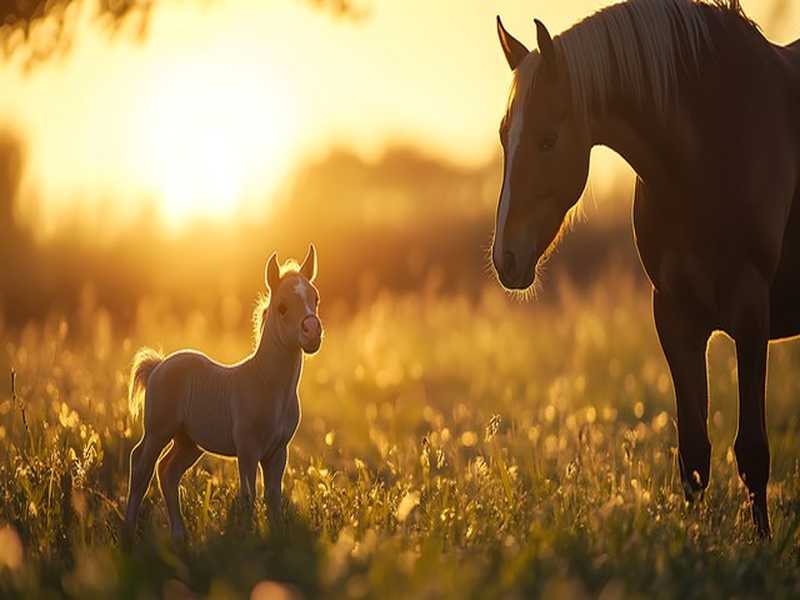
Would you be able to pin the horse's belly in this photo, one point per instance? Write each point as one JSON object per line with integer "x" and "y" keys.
{"x": 785, "y": 290}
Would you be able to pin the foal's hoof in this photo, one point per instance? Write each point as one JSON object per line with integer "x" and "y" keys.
{"x": 126, "y": 537}
{"x": 178, "y": 539}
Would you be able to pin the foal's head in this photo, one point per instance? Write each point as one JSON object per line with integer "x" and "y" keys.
{"x": 546, "y": 154}
{"x": 295, "y": 300}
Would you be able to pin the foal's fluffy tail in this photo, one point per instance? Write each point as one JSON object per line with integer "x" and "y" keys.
{"x": 145, "y": 360}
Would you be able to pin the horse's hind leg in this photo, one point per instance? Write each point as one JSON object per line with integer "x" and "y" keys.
{"x": 751, "y": 332}
{"x": 143, "y": 461}
{"x": 183, "y": 454}
{"x": 684, "y": 343}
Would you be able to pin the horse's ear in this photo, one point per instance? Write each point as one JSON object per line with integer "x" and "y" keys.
{"x": 514, "y": 50}
{"x": 272, "y": 274}
{"x": 548, "y": 50}
{"x": 309, "y": 268}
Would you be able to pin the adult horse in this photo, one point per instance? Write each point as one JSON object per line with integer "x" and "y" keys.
{"x": 707, "y": 112}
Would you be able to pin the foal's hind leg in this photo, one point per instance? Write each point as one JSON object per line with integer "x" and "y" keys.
{"x": 143, "y": 461}
{"x": 684, "y": 343}
{"x": 183, "y": 454}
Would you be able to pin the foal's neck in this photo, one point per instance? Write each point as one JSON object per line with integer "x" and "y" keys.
{"x": 274, "y": 361}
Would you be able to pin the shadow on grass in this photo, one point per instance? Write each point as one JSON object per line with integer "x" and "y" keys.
{"x": 227, "y": 564}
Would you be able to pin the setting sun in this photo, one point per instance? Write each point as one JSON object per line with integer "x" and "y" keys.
{"x": 212, "y": 131}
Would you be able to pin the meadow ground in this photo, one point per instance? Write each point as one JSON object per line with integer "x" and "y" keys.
{"x": 448, "y": 448}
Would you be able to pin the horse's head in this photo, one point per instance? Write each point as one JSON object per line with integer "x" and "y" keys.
{"x": 295, "y": 301}
{"x": 546, "y": 158}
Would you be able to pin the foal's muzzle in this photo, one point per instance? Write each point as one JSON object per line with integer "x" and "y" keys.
{"x": 310, "y": 333}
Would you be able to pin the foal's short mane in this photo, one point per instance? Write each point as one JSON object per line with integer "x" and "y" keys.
{"x": 262, "y": 301}
{"x": 639, "y": 44}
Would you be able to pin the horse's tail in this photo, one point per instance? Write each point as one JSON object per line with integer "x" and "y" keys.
{"x": 145, "y": 360}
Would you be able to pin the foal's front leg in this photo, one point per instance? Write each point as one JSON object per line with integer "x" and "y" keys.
{"x": 248, "y": 466}
{"x": 273, "y": 468}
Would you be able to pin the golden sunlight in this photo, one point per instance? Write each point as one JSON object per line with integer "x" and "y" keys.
{"x": 211, "y": 131}
{"x": 208, "y": 112}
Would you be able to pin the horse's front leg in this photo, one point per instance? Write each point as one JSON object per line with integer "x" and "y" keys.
{"x": 751, "y": 332}
{"x": 273, "y": 468}
{"x": 684, "y": 343}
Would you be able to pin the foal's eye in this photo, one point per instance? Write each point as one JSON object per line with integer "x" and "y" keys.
{"x": 282, "y": 308}
{"x": 548, "y": 142}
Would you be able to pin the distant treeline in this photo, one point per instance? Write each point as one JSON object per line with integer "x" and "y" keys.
{"x": 402, "y": 223}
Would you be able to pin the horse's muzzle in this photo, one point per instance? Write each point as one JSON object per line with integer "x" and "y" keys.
{"x": 310, "y": 334}
{"x": 513, "y": 273}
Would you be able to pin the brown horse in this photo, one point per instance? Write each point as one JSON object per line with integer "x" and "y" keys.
{"x": 707, "y": 112}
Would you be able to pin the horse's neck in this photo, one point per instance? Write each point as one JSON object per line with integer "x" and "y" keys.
{"x": 660, "y": 152}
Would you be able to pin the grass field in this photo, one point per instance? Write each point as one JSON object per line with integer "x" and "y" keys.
{"x": 447, "y": 449}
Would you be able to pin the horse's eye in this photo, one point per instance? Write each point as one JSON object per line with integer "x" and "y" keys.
{"x": 548, "y": 142}
{"x": 282, "y": 308}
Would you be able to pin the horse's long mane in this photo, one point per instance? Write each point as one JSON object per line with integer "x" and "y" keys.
{"x": 641, "y": 45}
{"x": 262, "y": 302}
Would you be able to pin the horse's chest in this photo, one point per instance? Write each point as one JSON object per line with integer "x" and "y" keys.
{"x": 678, "y": 253}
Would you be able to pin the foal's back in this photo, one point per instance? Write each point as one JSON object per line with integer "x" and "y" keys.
{"x": 191, "y": 393}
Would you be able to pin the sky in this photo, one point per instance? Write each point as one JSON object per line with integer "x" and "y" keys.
{"x": 223, "y": 97}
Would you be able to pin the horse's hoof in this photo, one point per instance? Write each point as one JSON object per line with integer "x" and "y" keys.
{"x": 693, "y": 492}
{"x": 761, "y": 520}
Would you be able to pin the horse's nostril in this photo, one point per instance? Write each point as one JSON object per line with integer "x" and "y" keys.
{"x": 509, "y": 262}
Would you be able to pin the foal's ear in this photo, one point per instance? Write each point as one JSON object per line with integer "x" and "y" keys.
{"x": 272, "y": 274}
{"x": 514, "y": 50}
{"x": 309, "y": 268}
{"x": 548, "y": 50}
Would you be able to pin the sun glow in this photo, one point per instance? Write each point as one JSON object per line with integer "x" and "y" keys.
{"x": 207, "y": 112}
{"x": 213, "y": 131}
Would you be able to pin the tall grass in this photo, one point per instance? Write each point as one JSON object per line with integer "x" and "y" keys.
{"x": 448, "y": 448}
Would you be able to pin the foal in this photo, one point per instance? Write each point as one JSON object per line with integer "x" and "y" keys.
{"x": 249, "y": 410}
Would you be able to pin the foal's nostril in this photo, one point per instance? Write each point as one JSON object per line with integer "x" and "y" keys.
{"x": 310, "y": 326}
{"x": 509, "y": 262}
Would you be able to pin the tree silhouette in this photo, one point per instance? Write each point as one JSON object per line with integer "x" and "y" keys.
{"x": 23, "y": 16}
{"x": 23, "y": 13}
